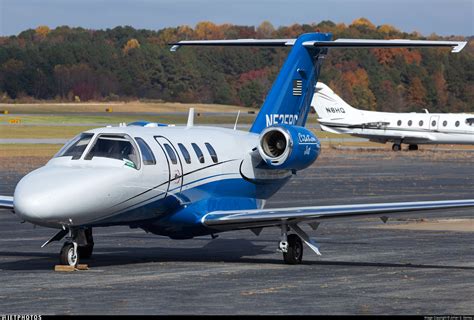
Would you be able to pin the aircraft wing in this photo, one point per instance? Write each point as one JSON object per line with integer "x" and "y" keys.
{"x": 6, "y": 202}
{"x": 258, "y": 218}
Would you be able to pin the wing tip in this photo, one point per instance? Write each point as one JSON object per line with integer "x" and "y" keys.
{"x": 6, "y": 202}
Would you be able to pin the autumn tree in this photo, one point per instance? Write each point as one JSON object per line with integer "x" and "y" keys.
{"x": 363, "y": 23}
{"x": 131, "y": 44}
{"x": 208, "y": 30}
{"x": 416, "y": 94}
{"x": 42, "y": 31}
{"x": 265, "y": 30}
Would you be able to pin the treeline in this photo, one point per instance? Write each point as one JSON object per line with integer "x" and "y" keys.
{"x": 75, "y": 64}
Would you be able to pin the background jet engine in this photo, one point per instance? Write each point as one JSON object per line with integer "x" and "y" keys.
{"x": 288, "y": 147}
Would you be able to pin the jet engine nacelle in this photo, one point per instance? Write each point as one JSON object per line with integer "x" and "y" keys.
{"x": 288, "y": 147}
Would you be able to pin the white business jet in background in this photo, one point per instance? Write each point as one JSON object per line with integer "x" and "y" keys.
{"x": 336, "y": 116}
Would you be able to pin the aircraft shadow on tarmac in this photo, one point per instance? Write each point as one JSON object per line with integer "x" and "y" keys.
{"x": 222, "y": 250}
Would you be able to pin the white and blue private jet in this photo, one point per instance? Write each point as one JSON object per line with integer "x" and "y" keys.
{"x": 188, "y": 181}
{"x": 337, "y": 116}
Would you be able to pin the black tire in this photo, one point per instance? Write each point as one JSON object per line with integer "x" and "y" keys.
{"x": 67, "y": 257}
{"x": 413, "y": 147}
{"x": 85, "y": 252}
{"x": 396, "y": 147}
{"x": 295, "y": 250}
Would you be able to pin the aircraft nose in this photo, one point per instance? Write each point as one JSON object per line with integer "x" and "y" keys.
{"x": 54, "y": 197}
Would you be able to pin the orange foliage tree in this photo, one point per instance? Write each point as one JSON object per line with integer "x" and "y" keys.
{"x": 417, "y": 93}
{"x": 131, "y": 44}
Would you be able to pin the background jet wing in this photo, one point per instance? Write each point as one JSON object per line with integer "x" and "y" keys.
{"x": 6, "y": 202}
{"x": 392, "y": 137}
{"x": 244, "y": 219}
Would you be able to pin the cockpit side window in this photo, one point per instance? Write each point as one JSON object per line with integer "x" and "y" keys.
{"x": 147, "y": 154}
{"x": 117, "y": 147}
{"x": 76, "y": 146}
{"x": 470, "y": 122}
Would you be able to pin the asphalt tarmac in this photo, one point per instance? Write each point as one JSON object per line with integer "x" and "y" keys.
{"x": 365, "y": 268}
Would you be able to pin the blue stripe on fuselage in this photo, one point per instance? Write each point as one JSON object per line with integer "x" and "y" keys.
{"x": 168, "y": 215}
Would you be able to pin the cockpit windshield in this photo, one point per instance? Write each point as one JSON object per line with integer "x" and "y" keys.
{"x": 76, "y": 146}
{"x": 117, "y": 147}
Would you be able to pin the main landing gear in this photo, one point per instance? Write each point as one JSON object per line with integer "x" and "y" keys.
{"x": 79, "y": 244}
{"x": 398, "y": 147}
{"x": 294, "y": 252}
{"x": 291, "y": 245}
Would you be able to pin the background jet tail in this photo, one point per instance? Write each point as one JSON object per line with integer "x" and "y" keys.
{"x": 328, "y": 105}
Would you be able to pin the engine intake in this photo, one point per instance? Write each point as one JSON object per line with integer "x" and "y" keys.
{"x": 274, "y": 143}
{"x": 288, "y": 147}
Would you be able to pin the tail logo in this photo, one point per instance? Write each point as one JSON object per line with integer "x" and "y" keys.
{"x": 306, "y": 139}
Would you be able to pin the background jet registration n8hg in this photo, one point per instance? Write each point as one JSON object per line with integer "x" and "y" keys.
{"x": 188, "y": 181}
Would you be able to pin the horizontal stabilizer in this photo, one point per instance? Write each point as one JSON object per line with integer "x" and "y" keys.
{"x": 397, "y": 43}
{"x": 236, "y": 42}
{"x": 456, "y": 46}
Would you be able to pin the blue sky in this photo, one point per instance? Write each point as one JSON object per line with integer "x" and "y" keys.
{"x": 444, "y": 17}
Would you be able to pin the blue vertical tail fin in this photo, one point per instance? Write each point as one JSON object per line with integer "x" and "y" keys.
{"x": 289, "y": 99}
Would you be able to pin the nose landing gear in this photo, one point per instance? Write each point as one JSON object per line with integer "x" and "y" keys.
{"x": 80, "y": 244}
{"x": 68, "y": 255}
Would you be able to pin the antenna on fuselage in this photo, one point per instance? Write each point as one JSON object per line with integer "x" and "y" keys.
{"x": 236, "y": 119}
{"x": 190, "y": 118}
